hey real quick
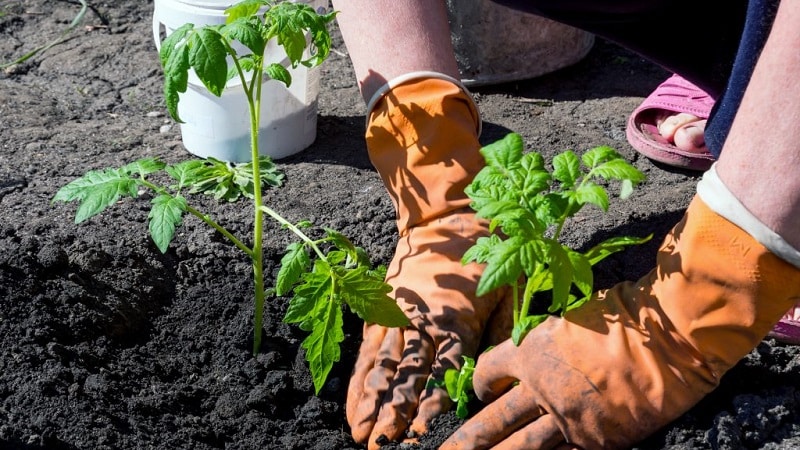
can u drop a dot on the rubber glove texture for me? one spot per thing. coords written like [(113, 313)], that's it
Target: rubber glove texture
[(638, 355), (422, 137)]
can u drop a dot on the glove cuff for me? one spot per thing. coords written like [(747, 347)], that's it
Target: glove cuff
[(422, 137), (720, 200), (416, 76)]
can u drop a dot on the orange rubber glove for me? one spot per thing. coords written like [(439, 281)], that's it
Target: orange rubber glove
[(639, 355), (422, 137)]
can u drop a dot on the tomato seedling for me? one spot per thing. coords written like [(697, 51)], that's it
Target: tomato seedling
[(530, 205), (321, 283)]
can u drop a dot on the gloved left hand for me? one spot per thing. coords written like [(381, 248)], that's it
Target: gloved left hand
[(422, 137)]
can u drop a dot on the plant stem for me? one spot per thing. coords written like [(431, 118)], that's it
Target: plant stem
[(204, 217), (258, 220), (295, 230)]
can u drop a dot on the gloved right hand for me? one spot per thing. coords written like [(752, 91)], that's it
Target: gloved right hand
[(638, 355)]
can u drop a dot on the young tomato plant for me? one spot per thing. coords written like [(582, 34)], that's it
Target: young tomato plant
[(530, 205), (321, 283)]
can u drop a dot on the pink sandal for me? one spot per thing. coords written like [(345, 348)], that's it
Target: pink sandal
[(677, 95), (787, 329)]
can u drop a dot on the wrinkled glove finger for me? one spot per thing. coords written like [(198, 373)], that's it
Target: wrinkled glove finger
[(435, 400), (375, 384), (541, 434), (373, 336), (493, 375), (496, 421), (402, 396)]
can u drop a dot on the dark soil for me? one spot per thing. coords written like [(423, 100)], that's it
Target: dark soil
[(109, 344)]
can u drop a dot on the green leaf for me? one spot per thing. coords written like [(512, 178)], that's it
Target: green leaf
[(369, 298), (173, 42), (618, 169), (207, 56), (591, 193), (503, 266), (582, 275), (567, 168), (481, 250), (97, 190), (230, 182), (244, 9), (613, 245), (599, 155), (505, 153), (458, 384), (247, 33), (143, 167), (176, 79), (316, 288), (561, 268), (525, 325), (294, 263), (165, 215), (278, 73), (184, 172), (289, 22), (322, 345)]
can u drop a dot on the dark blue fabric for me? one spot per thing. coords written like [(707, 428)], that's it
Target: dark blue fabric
[(712, 44)]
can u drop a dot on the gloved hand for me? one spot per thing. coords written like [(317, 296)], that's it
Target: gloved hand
[(422, 137), (639, 355)]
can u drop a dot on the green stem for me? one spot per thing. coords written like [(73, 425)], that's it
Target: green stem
[(530, 289), (258, 220), (297, 231), (204, 217)]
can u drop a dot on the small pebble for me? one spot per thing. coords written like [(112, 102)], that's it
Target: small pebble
[(164, 129), (155, 114)]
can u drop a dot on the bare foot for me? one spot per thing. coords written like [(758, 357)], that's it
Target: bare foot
[(684, 130)]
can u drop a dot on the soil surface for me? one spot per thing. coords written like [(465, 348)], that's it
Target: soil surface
[(106, 343)]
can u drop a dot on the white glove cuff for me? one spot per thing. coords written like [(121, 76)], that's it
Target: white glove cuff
[(717, 196), (397, 81)]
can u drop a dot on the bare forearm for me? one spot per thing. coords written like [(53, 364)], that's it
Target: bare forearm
[(388, 38), (760, 162)]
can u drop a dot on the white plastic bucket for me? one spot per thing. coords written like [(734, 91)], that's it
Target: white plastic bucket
[(220, 126)]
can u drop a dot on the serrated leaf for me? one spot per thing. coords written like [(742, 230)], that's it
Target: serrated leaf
[(207, 56), (481, 250), (278, 73), (582, 275), (505, 153), (176, 79), (566, 168), (561, 270), (599, 155), (590, 193), (503, 266), (243, 9), (613, 245), (165, 215), (294, 263), (174, 41), (316, 287), (246, 32), (143, 167), (369, 298), (322, 345), (618, 169), (97, 190), (184, 172)]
